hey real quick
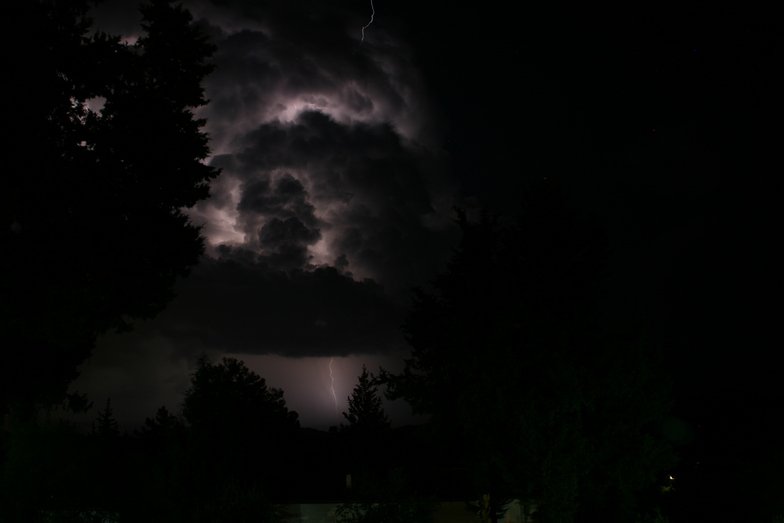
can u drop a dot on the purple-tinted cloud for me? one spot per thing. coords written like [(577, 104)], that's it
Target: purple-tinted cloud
[(335, 199)]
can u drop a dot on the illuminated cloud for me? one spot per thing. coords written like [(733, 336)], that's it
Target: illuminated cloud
[(334, 200), (330, 155)]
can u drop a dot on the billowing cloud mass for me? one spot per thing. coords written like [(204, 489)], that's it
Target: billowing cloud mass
[(334, 198), (303, 102)]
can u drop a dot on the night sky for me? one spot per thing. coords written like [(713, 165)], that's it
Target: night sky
[(342, 160)]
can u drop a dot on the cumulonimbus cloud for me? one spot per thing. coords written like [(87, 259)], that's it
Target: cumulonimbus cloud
[(334, 198), (330, 153)]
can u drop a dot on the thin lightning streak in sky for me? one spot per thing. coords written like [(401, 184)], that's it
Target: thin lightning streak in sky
[(334, 396), (371, 21)]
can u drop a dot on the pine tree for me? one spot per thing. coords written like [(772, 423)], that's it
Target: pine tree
[(365, 412), (106, 424), (162, 432)]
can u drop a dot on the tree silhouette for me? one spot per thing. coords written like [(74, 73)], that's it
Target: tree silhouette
[(228, 395), (163, 423), (237, 419), (159, 435), (508, 355), (367, 435), (93, 233), (365, 410), (36, 375), (105, 426)]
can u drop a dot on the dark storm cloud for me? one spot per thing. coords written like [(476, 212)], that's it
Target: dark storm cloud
[(270, 56), (329, 151), (283, 198), (239, 303), (287, 241), (277, 219), (281, 232), (334, 199), (366, 181)]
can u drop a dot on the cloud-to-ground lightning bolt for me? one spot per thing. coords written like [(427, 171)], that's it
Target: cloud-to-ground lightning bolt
[(334, 396), (371, 21)]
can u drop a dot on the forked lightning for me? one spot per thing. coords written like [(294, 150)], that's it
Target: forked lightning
[(371, 21), (334, 396)]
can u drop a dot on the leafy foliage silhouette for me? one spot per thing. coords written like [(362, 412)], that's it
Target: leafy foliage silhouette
[(240, 425), (93, 228), (508, 355), (227, 395), (107, 153)]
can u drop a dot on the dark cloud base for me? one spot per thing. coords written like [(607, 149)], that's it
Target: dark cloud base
[(239, 303)]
